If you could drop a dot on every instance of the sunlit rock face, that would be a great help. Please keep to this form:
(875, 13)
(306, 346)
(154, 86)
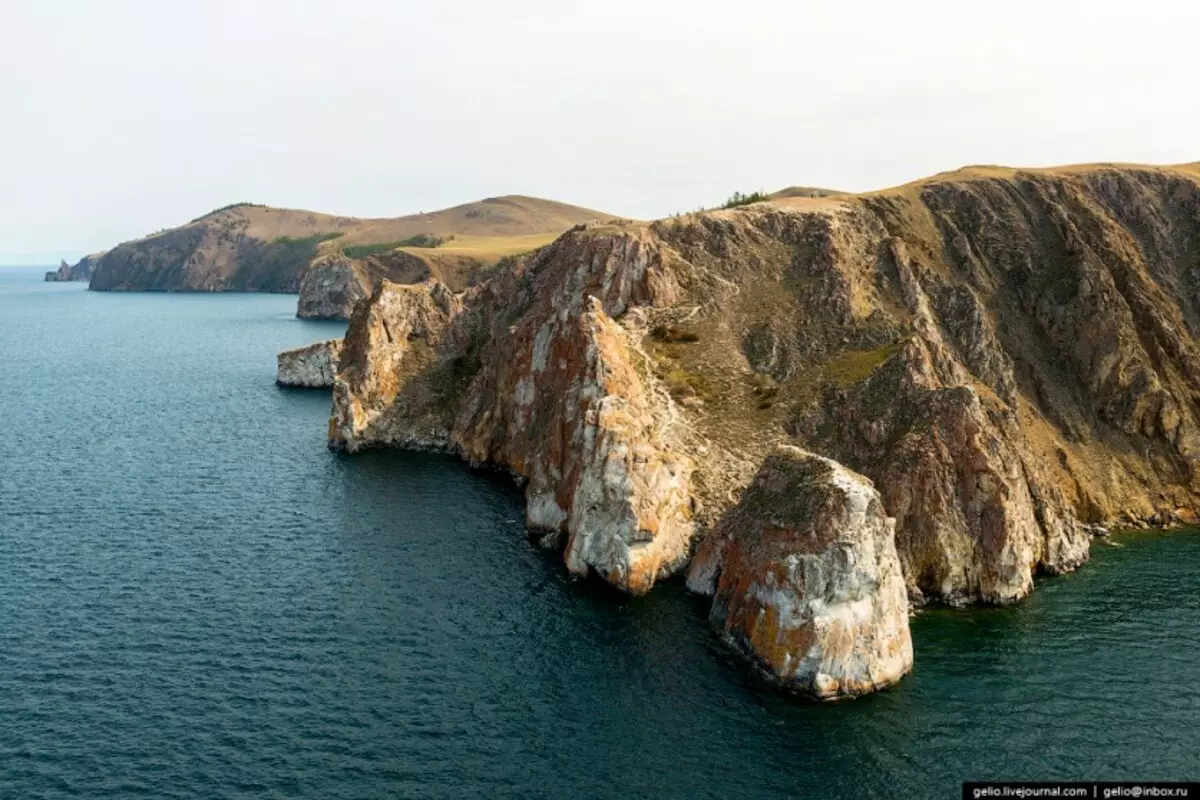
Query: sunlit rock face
(312, 367)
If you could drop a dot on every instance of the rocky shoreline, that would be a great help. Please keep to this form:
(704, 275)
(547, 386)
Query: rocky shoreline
(994, 365)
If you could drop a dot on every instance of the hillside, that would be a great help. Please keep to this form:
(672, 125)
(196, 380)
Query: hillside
(248, 247)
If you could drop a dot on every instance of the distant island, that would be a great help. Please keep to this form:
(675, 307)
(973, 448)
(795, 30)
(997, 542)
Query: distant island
(819, 406)
(331, 261)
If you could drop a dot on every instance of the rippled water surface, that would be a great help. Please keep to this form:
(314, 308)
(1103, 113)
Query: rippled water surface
(198, 600)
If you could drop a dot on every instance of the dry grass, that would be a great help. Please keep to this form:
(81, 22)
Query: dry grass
(476, 224)
(853, 366)
(993, 171)
(487, 248)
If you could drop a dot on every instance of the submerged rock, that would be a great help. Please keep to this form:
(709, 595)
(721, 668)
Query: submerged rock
(806, 581)
(312, 367)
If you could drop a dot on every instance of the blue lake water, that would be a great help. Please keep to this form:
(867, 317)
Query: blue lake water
(198, 600)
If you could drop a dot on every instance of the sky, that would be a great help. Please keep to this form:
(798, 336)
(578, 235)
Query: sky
(123, 117)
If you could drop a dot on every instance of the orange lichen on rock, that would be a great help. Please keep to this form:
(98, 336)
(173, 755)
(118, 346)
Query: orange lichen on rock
(805, 579)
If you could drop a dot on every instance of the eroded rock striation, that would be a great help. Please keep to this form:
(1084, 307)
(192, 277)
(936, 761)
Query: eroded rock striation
(1008, 355)
(805, 579)
(311, 367)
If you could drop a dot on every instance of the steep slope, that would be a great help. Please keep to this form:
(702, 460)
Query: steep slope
(1006, 353)
(247, 247)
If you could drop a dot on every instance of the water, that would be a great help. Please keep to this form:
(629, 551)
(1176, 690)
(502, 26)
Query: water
(198, 600)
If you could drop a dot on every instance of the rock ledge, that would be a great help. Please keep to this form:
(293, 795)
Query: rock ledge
(311, 367)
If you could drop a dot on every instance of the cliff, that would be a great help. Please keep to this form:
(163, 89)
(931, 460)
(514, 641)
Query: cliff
(247, 247)
(334, 283)
(1009, 356)
(80, 271)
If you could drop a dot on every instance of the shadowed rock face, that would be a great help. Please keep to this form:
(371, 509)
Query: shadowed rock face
(331, 287)
(1005, 354)
(311, 367)
(805, 579)
(80, 271)
(213, 255)
(334, 284)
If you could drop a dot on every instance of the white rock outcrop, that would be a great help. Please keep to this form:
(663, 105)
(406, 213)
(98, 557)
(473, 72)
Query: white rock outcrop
(312, 367)
(806, 581)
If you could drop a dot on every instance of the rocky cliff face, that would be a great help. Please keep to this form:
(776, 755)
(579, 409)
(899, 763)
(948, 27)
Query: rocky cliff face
(806, 580)
(1005, 354)
(331, 287)
(80, 271)
(334, 284)
(311, 367)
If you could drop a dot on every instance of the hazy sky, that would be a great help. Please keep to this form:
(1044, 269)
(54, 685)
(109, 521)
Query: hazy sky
(122, 117)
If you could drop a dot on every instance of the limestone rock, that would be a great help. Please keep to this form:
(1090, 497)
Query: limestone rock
(806, 581)
(312, 367)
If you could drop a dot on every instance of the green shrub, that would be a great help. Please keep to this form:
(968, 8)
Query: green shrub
(427, 240)
(738, 199)
(305, 241)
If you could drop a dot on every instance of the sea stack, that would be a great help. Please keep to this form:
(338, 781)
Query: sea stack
(806, 581)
